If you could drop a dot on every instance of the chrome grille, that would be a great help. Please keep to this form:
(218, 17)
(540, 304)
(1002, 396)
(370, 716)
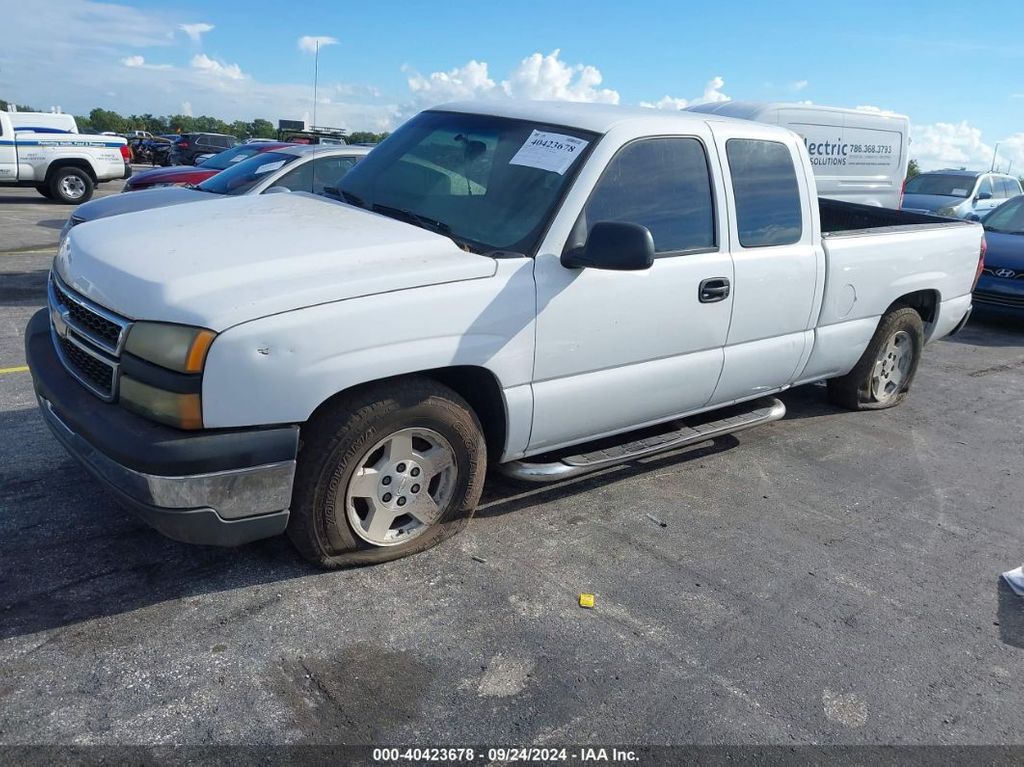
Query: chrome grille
(998, 299)
(88, 338)
(98, 371)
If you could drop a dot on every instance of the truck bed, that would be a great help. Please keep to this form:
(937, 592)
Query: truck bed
(848, 218)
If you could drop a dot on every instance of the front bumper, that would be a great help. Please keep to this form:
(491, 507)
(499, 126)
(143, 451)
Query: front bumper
(221, 487)
(995, 295)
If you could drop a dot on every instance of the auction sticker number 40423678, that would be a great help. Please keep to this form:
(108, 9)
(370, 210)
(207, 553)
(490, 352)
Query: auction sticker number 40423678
(553, 152)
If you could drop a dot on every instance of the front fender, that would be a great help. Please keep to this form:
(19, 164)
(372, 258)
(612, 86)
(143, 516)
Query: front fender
(279, 369)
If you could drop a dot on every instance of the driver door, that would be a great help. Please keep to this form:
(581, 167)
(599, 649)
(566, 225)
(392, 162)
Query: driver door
(617, 349)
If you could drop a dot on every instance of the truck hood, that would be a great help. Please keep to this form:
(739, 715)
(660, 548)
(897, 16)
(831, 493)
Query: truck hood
(235, 259)
(147, 199)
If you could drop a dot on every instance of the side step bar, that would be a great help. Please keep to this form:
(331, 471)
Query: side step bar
(756, 413)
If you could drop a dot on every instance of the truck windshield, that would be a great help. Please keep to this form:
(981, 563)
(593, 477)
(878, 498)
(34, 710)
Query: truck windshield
(240, 178)
(940, 184)
(490, 183)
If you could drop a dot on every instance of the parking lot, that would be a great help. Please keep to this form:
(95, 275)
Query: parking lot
(830, 578)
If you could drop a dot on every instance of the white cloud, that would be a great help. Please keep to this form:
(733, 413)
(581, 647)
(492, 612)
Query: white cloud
(195, 32)
(799, 85)
(139, 62)
(666, 102)
(956, 145)
(550, 78)
(535, 77)
(308, 43)
(468, 81)
(186, 108)
(204, 63)
(712, 95)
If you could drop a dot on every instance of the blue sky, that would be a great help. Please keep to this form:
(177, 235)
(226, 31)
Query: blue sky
(955, 69)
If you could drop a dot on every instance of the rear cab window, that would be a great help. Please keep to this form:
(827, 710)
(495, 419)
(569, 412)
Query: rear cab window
(766, 192)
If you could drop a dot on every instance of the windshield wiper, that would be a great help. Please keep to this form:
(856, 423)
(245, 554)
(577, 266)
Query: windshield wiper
(351, 199)
(432, 224)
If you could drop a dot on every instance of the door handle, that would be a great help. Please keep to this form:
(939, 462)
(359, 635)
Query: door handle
(713, 289)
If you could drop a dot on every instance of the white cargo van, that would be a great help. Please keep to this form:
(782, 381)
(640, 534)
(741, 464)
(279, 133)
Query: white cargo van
(857, 155)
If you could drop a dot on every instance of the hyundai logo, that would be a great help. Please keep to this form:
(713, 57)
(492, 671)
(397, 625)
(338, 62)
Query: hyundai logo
(1008, 274)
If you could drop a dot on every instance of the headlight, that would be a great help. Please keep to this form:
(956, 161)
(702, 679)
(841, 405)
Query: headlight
(182, 410)
(176, 347)
(164, 396)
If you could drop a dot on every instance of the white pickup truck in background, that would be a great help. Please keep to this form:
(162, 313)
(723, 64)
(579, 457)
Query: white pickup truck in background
(41, 151)
(507, 284)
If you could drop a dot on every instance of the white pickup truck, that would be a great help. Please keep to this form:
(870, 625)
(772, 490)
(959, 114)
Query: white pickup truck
(61, 163)
(505, 284)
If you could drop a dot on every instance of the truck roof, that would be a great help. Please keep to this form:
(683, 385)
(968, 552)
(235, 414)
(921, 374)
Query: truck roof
(599, 118)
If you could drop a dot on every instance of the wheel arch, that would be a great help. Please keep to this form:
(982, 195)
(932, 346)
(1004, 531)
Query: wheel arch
(71, 162)
(924, 302)
(477, 385)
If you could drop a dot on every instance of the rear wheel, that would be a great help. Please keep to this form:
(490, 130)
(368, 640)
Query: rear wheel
(882, 376)
(386, 473)
(71, 186)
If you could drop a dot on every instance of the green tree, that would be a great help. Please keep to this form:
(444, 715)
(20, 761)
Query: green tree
(104, 120)
(365, 137)
(260, 128)
(913, 169)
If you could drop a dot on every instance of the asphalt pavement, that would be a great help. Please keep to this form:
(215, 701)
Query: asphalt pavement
(831, 578)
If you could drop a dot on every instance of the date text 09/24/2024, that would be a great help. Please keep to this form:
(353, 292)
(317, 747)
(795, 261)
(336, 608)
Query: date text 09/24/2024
(503, 754)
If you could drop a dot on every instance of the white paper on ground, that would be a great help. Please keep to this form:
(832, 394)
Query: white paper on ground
(1015, 578)
(549, 151)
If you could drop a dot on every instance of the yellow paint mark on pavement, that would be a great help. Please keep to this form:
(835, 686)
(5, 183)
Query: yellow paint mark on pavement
(19, 369)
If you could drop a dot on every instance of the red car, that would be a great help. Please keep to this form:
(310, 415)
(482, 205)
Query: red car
(189, 175)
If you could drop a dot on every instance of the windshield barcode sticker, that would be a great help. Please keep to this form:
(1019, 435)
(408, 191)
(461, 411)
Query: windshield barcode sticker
(549, 151)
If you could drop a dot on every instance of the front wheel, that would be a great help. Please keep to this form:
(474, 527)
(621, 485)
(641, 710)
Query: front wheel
(385, 473)
(44, 190)
(882, 376)
(71, 186)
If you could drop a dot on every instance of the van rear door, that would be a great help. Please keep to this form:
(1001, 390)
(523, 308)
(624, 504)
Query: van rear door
(857, 157)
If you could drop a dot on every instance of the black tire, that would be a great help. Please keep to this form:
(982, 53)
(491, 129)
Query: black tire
(63, 178)
(854, 390)
(44, 190)
(339, 437)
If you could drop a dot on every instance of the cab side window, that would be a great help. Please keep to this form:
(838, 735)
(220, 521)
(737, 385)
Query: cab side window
(766, 191)
(662, 184)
